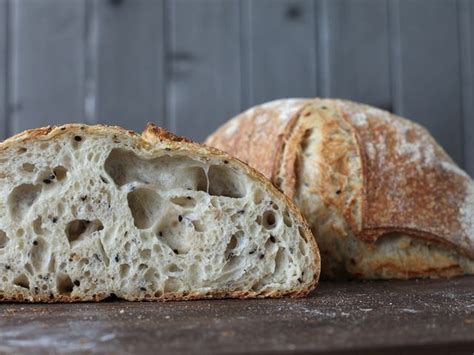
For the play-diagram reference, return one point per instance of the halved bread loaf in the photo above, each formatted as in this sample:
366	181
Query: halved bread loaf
88	212
382	197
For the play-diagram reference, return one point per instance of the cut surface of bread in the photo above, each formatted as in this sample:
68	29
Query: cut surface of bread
382	197
88	212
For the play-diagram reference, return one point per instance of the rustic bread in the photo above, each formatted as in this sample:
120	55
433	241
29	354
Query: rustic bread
93	211
382	197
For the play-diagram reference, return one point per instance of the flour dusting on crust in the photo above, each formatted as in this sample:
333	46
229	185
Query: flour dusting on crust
286	107
232	127
411	183
412	214
359	119
419	150
408	148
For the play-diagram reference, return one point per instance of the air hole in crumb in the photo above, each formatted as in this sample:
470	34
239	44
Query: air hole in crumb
230	246
22	281
39	254
302	233
52	264
258	196
270	246
172	284
146	253
20	232
257	286
144	205
150	276
195	178
302	246
269	220
157	249
28	167
83	262
125	166
280	261
183	201
102	251
37	225
21	199
21	150
124	270
78	229
29	268
60	172
223	181
3	239
198	226
287	219
64	284
173	268
76	141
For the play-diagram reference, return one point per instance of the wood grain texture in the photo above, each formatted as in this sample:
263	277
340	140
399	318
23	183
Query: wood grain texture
3	68
281	50
409	317
430	78
130	63
204	86
47	69
358	51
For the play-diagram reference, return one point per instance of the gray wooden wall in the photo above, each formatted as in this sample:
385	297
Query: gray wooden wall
189	65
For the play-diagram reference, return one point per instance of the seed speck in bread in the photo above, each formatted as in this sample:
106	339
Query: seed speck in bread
89	212
382	197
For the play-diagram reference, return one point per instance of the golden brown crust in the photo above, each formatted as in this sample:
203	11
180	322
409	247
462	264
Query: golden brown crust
153	132
411	185
258	135
394	270
155	137
175	296
405	183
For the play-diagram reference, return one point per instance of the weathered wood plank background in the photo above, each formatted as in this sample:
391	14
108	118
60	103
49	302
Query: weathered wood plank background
189	65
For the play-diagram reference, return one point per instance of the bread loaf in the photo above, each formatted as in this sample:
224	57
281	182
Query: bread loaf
88	212
382	197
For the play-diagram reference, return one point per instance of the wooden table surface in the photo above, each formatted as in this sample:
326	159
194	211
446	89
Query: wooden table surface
430	316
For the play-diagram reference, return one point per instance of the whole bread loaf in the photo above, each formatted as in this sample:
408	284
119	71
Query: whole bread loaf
88	212
382	197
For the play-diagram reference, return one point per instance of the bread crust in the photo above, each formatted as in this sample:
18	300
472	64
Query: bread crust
430	188
404	184
153	139
258	135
